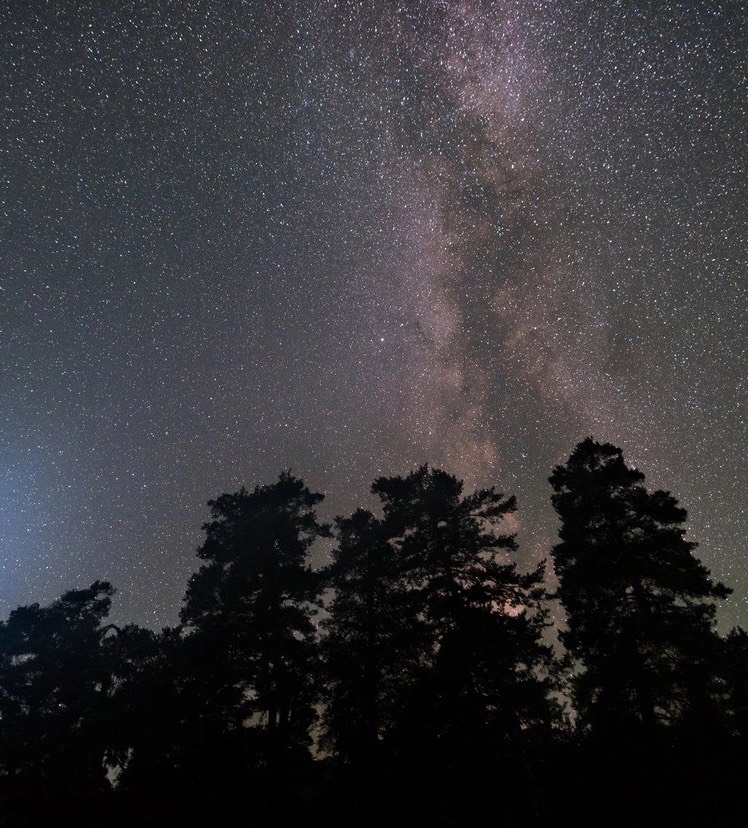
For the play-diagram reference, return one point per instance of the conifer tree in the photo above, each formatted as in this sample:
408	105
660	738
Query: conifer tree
374	639
485	682
640	607
249	615
55	681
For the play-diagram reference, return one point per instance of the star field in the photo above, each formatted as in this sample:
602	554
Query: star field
349	238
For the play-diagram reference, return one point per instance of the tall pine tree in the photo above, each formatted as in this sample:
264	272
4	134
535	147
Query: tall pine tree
374	639
249	615
485	680
640	607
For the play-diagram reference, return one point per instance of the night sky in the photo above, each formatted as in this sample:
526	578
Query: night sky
348	238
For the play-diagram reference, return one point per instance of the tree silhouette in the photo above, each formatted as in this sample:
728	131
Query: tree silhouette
159	731
374	639
55	683
734	670
640	606
434	677
248	614
486	676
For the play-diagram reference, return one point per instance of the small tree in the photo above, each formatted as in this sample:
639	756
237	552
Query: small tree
640	607
55	680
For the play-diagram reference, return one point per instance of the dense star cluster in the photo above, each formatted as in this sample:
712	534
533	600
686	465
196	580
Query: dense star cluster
351	237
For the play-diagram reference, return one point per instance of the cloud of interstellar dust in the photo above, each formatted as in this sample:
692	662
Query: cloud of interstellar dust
495	278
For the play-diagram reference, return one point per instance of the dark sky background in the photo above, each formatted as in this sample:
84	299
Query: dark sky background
348	238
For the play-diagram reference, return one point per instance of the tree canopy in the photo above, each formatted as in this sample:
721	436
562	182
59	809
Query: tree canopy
55	681
414	678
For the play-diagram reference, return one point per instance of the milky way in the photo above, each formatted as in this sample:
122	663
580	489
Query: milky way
349	238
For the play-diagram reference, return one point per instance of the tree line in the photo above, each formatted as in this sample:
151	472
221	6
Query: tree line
417	678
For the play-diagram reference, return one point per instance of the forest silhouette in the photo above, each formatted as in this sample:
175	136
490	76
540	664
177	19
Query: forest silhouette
416	679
